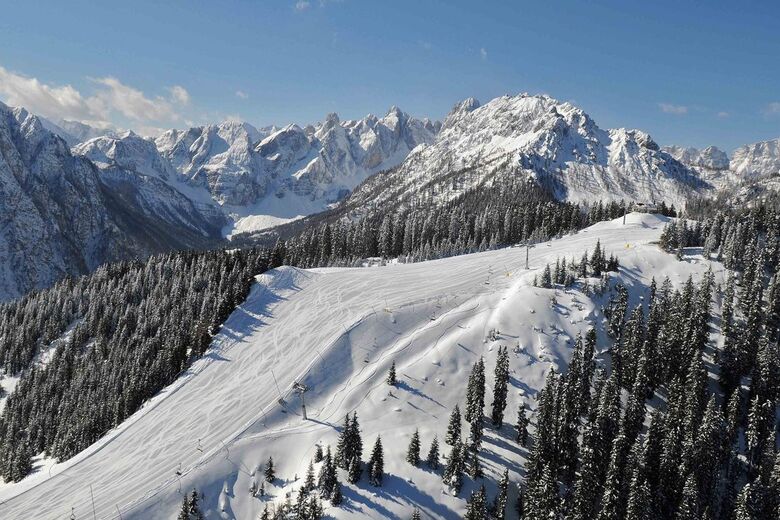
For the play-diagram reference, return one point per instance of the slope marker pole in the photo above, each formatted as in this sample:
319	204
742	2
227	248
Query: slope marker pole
94	514
277	385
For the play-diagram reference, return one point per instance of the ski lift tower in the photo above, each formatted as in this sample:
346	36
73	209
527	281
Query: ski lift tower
528	245
301	390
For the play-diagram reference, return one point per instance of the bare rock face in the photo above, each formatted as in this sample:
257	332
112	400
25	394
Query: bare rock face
59	217
241	165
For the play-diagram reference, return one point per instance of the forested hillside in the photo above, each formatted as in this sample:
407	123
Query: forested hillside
135	327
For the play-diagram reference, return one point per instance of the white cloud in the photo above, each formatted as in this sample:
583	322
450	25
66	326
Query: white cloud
669	108
112	103
241	94
723	115
180	95
483	53
53	101
772	109
302	5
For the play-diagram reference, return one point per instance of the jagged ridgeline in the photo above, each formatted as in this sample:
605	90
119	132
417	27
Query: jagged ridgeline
91	350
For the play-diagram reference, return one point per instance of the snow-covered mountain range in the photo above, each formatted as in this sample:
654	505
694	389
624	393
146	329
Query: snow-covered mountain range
96	195
560	146
60	215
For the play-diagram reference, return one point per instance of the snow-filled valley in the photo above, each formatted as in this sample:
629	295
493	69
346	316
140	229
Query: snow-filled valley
337	331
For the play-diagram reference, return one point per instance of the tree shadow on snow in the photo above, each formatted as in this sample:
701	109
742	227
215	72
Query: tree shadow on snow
401	385
399	491
522	386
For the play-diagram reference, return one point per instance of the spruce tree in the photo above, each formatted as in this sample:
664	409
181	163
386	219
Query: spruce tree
343	453
476	506
475	392
453	473
502	498
391	379
270	474
416	514
336	497
522	426
413	452
354	471
500	388
376	464
453	427
184	513
432	460
309	482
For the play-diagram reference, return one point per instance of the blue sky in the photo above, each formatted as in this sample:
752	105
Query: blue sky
690	73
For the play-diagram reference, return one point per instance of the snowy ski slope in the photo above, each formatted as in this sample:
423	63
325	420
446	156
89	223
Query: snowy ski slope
338	330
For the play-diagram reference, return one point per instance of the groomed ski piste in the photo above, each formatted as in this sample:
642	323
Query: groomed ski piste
338	331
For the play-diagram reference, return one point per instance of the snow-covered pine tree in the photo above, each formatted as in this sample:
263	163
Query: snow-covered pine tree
476	507
582	267
413	452
500	388
453	427
432	460
336	497
546	280
391	378
502	498
376	464
342	446
521	426
309	483
327	476
184	513
354	471
475	392
453	473
355	441
270	472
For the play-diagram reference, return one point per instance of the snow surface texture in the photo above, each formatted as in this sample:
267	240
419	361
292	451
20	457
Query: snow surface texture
338	330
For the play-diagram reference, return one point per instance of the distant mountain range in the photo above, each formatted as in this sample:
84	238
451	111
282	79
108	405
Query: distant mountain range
74	196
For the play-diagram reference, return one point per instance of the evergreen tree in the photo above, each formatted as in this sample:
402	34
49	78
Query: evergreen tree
522	426
336	497
318	455
453	427
502	498
354	471
376	464
475	392
270	473
309	482
391	380
453	474
416	514
500	388
344	453
476	506
413	452
432	460
184	513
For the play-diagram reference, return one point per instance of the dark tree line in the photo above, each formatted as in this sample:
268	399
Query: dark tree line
136	326
477	220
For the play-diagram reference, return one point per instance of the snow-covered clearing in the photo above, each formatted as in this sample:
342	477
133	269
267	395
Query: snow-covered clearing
338	330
